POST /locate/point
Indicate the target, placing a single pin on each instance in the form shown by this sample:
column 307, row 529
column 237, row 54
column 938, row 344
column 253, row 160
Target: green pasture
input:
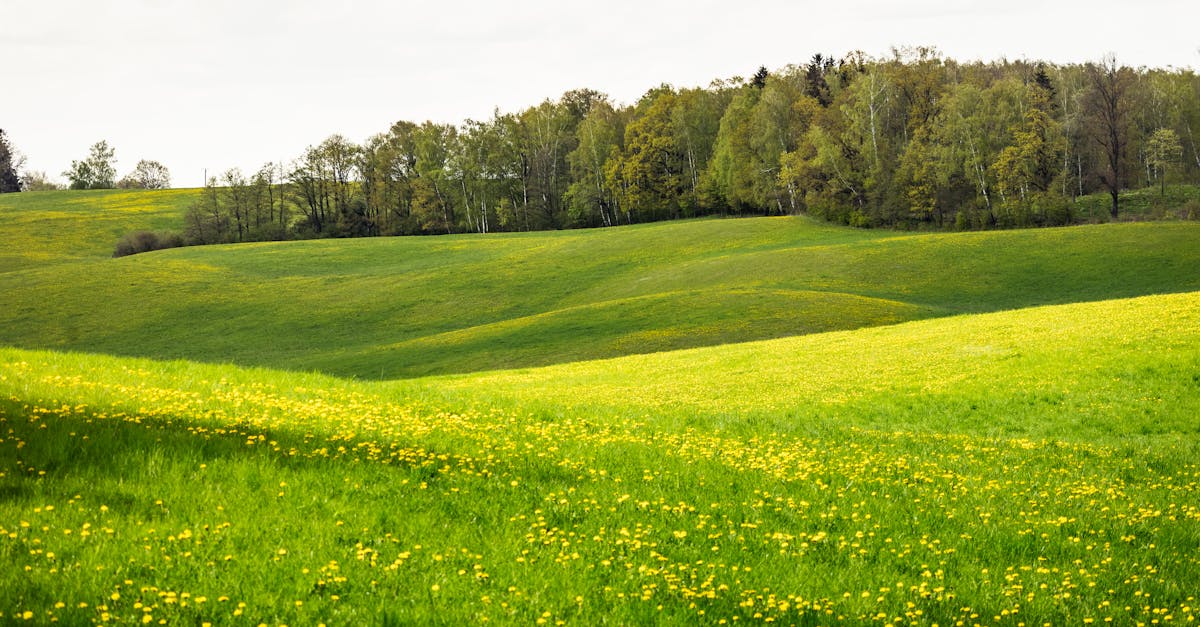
column 1034, row 466
column 38, row 229
column 400, row 307
column 702, row 422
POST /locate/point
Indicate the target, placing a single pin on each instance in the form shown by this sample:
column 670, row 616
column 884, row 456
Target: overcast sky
column 222, row 83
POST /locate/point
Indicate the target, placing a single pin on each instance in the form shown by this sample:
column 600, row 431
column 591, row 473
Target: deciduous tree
column 1107, row 103
column 147, row 175
column 97, row 171
column 591, row 199
column 1163, row 151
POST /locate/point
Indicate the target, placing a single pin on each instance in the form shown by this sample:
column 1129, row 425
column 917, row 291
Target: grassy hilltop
column 988, row 428
column 400, row 307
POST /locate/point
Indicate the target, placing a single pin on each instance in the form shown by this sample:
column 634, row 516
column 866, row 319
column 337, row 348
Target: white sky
column 216, row 84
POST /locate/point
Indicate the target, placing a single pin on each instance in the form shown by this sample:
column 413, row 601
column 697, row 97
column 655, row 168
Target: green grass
column 1029, row 466
column 1151, row 202
column 42, row 228
column 403, row 307
column 977, row 428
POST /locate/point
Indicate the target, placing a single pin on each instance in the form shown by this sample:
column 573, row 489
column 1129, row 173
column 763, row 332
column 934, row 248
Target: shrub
column 146, row 241
column 1190, row 210
column 1055, row 210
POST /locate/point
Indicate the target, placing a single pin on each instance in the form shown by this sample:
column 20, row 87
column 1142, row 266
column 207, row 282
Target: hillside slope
column 402, row 307
column 41, row 228
column 894, row 474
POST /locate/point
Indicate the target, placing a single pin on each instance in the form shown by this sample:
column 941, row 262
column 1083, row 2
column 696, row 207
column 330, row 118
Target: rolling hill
column 702, row 422
column 402, row 307
column 1037, row 464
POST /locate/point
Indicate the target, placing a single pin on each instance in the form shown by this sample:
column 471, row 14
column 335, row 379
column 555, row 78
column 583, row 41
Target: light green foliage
column 97, row 171
column 593, row 200
column 695, row 121
column 760, row 127
column 1025, row 169
column 1163, row 150
column 729, row 170
column 952, row 163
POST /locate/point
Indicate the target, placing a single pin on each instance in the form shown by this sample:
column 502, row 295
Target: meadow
column 1023, row 467
column 978, row 428
column 384, row 308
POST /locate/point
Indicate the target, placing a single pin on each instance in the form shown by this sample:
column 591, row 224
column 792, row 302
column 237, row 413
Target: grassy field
column 38, row 229
column 403, row 307
column 1147, row 203
column 862, row 427
column 1033, row 467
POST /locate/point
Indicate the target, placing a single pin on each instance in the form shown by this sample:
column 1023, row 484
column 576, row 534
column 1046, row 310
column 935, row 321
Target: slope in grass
column 644, row 324
column 41, row 228
column 509, row 300
column 894, row 474
column 1092, row 372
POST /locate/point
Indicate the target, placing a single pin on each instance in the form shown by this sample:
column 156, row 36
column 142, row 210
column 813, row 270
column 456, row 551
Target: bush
column 1190, row 210
column 1055, row 210
column 146, row 241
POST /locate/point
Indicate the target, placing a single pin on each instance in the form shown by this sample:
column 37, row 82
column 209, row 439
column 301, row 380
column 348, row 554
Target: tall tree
column 1025, row 169
column 433, row 201
column 388, row 167
column 759, row 80
column 147, row 175
column 97, row 171
column 324, row 180
column 9, row 180
column 651, row 179
column 1107, row 104
column 548, row 136
column 695, row 122
column 236, row 200
column 731, row 170
column 1163, row 150
column 816, row 86
column 591, row 199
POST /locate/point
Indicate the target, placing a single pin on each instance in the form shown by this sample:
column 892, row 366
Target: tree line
column 97, row 171
column 910, row 140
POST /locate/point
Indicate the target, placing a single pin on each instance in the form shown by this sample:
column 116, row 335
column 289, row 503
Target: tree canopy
column 911, row 140
column 97, row 171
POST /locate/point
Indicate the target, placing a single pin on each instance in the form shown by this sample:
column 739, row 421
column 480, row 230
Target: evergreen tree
column 814, row 77
column 9, row 181
column 760, row 77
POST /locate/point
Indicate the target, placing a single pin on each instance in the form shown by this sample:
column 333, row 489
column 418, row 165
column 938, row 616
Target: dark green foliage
column 146, row 241
column 816, row 86
column 759, row 80
column 1042, row 80
column 9, row 181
